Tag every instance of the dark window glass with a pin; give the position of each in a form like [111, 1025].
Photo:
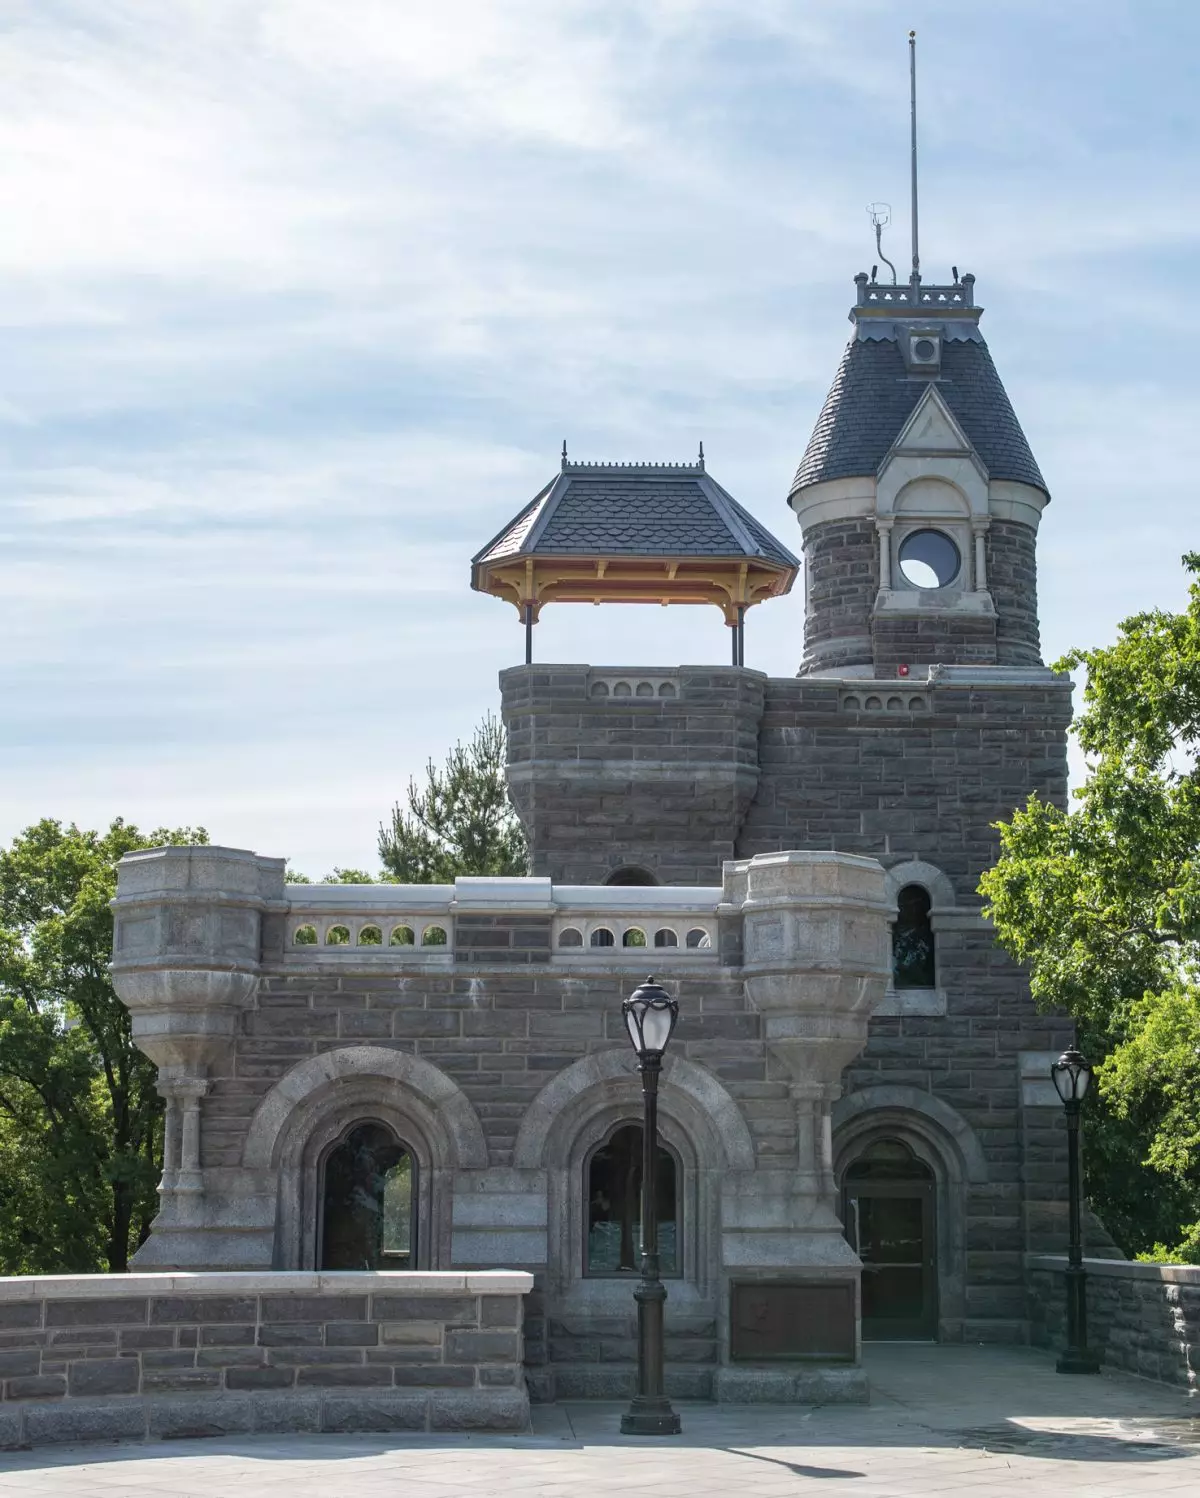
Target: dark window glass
[632, 875]
[614, 1206]
[368, 1219]
[912, 940]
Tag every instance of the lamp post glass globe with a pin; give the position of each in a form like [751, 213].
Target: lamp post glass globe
[1072, 1076]
[650, 1014]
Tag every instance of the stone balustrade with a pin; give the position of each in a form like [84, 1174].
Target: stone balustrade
[100, 1357]
[1142, 1318]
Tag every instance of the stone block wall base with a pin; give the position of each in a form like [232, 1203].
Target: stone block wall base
[139, 1418]
[773, 1383]
[619, 1381]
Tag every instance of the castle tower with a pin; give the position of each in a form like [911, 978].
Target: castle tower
[918, 496]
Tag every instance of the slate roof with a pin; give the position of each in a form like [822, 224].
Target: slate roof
[873, 395]
[617, 510]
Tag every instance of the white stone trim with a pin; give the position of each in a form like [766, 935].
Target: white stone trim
[269, 1282]
[1122, 1269]
[914, 1001]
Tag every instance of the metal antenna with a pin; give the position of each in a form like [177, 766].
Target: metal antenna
[912, 81]
[880, 215]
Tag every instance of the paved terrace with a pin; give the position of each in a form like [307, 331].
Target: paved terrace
[991, 1422]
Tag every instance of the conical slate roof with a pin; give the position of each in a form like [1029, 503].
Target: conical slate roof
[873, 395]
[646, 510]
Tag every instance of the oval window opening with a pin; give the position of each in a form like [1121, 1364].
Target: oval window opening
[929, 559]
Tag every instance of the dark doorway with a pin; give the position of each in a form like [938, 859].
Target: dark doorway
[613, 1180]
[888, 1199]
[368, 1218]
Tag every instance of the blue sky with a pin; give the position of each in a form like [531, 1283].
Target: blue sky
[301, 297]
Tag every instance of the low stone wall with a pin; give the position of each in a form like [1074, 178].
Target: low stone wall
[1142, 1318]
[90, 1357]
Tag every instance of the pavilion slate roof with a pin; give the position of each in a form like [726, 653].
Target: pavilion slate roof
[635, 510]
[873, 395]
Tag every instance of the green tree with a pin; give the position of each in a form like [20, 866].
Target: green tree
[80, 1120]
[460, 821]
[1103, 904]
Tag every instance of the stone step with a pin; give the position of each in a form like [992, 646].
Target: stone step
[619, 1381]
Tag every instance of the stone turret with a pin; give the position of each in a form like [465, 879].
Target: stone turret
[918, 496]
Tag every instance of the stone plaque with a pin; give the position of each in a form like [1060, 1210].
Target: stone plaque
[772, 1321]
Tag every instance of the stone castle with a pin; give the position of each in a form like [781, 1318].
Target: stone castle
[860, 1138]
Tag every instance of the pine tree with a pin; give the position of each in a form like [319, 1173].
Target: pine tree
[460, 821]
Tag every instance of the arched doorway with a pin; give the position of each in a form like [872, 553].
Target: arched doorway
[888, 1202]
[368, 1197]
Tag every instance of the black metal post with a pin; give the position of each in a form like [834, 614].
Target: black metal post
[741, 635]
[733, 639]
[1076, 1358]
[529, 634]
[650, 1412]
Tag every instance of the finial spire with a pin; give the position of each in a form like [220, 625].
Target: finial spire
[564, 457]
[701, 458]
[912, 89]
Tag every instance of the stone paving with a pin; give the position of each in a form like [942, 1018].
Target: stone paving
[994, 1422]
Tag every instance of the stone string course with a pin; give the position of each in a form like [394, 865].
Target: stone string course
[155, 1355]
[1142, 1318]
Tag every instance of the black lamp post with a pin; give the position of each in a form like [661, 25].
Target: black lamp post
[650, 1014]
[1072, 1075]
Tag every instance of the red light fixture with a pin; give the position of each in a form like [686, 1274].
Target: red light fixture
[901, 670]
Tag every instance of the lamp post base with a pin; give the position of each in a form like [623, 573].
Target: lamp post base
[1078, 1360]
[650, 1415]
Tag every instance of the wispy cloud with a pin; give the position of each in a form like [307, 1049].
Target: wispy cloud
[301, 296]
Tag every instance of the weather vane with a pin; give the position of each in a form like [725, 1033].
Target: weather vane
[880, 215]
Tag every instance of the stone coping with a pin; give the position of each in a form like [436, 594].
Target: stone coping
[1127, 1269]
[265, 1282]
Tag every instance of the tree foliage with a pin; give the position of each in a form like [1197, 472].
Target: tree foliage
[1103, 905]
[80, 1120]
[460, 821]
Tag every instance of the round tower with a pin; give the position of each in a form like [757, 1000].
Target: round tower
[918, 496]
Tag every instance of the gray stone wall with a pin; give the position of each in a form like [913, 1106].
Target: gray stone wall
[1012, 580]
[924, 640]
[1142, 1318]
[131, 1356]
[903, 784]
[605, 781]
[926, 786]
[841, 579]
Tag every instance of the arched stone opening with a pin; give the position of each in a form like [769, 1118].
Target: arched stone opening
[632, 875]
[944, 1150]
[310, 1110]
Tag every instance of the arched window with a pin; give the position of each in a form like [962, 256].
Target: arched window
[613, 1205]
[912, 940]
[337, 936]
[602, 937]
[631, 874]
[665, 937]
[633, 937]
[370, 936]
[698, 938]
[570, 937]
[368, 1202]
[306, 936]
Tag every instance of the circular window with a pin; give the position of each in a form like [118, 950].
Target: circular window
[925, 348]
[929, 559]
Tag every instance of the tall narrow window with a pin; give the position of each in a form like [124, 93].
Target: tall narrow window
[368, 1202]
[912, 940]
[613, 1181]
